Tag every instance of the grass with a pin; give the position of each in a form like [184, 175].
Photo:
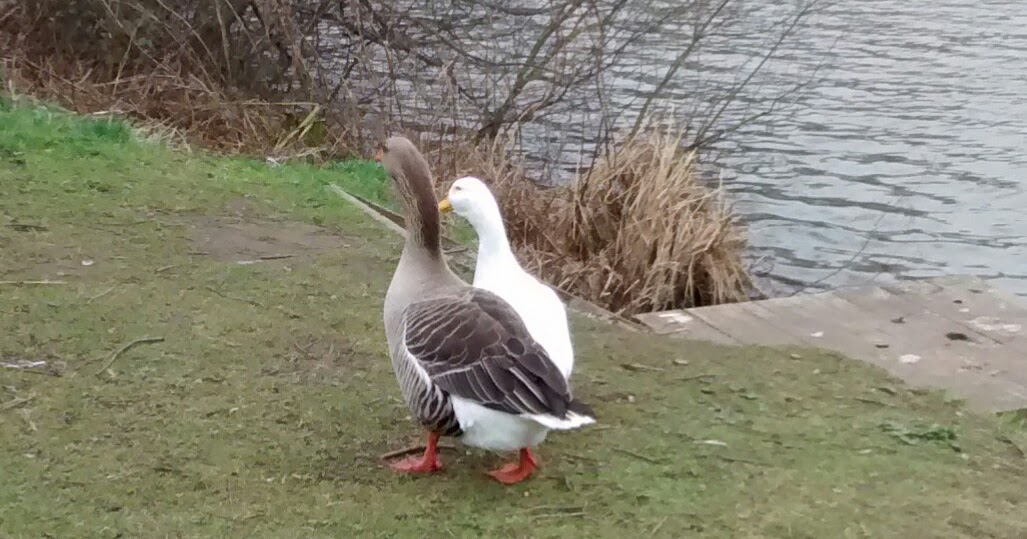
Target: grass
[263, 410]
[637, 232]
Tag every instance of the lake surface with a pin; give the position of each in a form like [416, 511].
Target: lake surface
[907, 158]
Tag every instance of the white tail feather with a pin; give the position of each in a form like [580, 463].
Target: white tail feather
[572, 421]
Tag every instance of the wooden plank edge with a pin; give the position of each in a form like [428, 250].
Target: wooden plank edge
[371, 212]
[694, 326]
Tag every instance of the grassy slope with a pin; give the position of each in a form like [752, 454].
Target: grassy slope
[263, 411]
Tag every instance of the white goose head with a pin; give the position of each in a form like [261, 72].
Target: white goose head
[471, 199]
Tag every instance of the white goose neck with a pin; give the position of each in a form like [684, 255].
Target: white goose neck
[488, 224]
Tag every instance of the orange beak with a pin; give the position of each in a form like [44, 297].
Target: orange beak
[379, 155]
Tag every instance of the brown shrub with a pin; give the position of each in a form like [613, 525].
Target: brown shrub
[637, 232]
[179, 66]
[204, 113]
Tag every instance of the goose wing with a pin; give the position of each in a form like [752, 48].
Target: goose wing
[472, 344]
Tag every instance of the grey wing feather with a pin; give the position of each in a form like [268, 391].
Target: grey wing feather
[474, 345]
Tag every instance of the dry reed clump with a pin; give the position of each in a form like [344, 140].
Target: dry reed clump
[637, 232]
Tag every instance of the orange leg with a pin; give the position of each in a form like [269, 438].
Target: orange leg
[427, 463]
[516, 472]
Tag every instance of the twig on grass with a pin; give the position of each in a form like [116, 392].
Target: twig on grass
[24, 227]
[30, 367]
[100, 295]
[410, 451]
[558, 514]
[658, 525]
[638, 367]
[734, 460]
[14, 403]
[697, 377]
[236, 298]
[114, 357]
[638, 456]
[551, 511]
[1016, 447]
[28, 283]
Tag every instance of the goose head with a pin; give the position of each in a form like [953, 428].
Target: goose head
[412, 179]
[471, 199]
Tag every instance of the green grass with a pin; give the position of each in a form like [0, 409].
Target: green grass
[262, 412]
[364, 178]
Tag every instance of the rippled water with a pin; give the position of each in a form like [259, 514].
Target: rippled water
[906, 157]
[909, 157]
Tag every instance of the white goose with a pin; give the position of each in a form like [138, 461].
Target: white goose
[498, 271]
[466, 364]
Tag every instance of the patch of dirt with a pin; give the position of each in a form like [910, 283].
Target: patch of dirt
[244, 236]
[243, 208]
[43, 260]
[316, 359]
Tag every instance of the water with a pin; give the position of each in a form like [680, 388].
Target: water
[907, 159]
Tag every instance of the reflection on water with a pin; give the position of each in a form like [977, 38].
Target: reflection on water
[908, 158]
